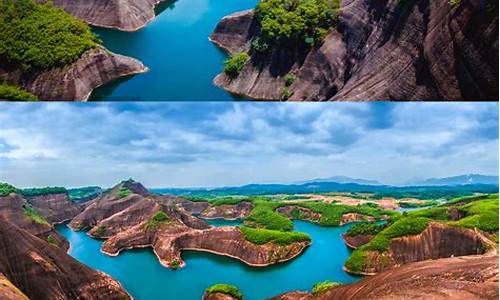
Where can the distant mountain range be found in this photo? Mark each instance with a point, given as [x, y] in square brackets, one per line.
[342, 179]
[461, 179]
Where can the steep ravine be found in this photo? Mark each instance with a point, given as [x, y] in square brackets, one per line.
[75, 81]
[381, 50]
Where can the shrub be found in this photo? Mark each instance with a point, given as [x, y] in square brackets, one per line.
[264, 236]
[123, 192]
[41, 35]
[6, 189]
[263, 215]
[100, 231]
[435, 213]
[234, 64]
[225, 289]
[290, 79]
[33, 192]
[51, 240]
[321, 287]
[34, 215]
[481, 214]
[10, 92]
[175, 264]
[365, 229]
[156, 220]
[289, 21]
[286, 93]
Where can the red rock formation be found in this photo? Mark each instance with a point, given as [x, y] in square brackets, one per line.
[382, 50]
[12, 208]
[76, 81]
[228, 212]
[359, 240]
[218, 296]
[56, 208]
[436, 241]
[305, 213]
[126, 15]
[8, 291]
[459, 278]
[43, 271]
[169, 241]
[355, 217]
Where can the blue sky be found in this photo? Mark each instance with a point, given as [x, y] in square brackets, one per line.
[214, 144]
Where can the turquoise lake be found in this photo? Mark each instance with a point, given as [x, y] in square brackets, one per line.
[176, 49]
[145, 279]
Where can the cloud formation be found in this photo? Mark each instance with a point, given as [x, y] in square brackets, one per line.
[214, 144]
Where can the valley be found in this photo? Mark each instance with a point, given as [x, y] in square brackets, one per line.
[262, 245]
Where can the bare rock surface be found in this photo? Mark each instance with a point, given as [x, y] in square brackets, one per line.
[458, 278]
[77, 80]
[43, 271]
[381, 50]
[126, 15]
[229, 212]
[56, 208]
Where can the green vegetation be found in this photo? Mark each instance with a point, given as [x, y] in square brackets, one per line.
[100, 231]
[321, 287]
[52, 240]
[286, 93]
[264, 236]
[331, 214]
[288, 22]
[10, 92]
[417, 204]
[263, 215]
[365, 229]
[34, 215]
[234, 64]
[6, 189]
[84, 193]
[33, 192]
[156, 220]
[479, 212]
[124, 192]
[225, 289]
[290, 79]
[41, 35]
[482, 214]
[175, 264]
[403, 227]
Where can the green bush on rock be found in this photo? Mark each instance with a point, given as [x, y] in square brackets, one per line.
[296, 21]
[41, 35]
[6, 189]
[225, 289]
[234, 64]
[321, 287]
[264, 236]
[10, 92]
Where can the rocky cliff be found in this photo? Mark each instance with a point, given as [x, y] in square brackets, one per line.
[126, 15]
[76, 81]
[436, 241]
[55, 208]
[17, 210]
[229, 212]
[381, 50]
[8, 291]
[359, 240]
[459, 278]
[43, 271]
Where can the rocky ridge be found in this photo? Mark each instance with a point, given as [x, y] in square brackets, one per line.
[75, 81]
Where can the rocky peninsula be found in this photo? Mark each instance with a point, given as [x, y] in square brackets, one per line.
[392, 50]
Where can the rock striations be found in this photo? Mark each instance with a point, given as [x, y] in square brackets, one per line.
[458, 278]
[33, 259]
[77, 80]
[149, 220]
[126, 15]
[381, 50]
